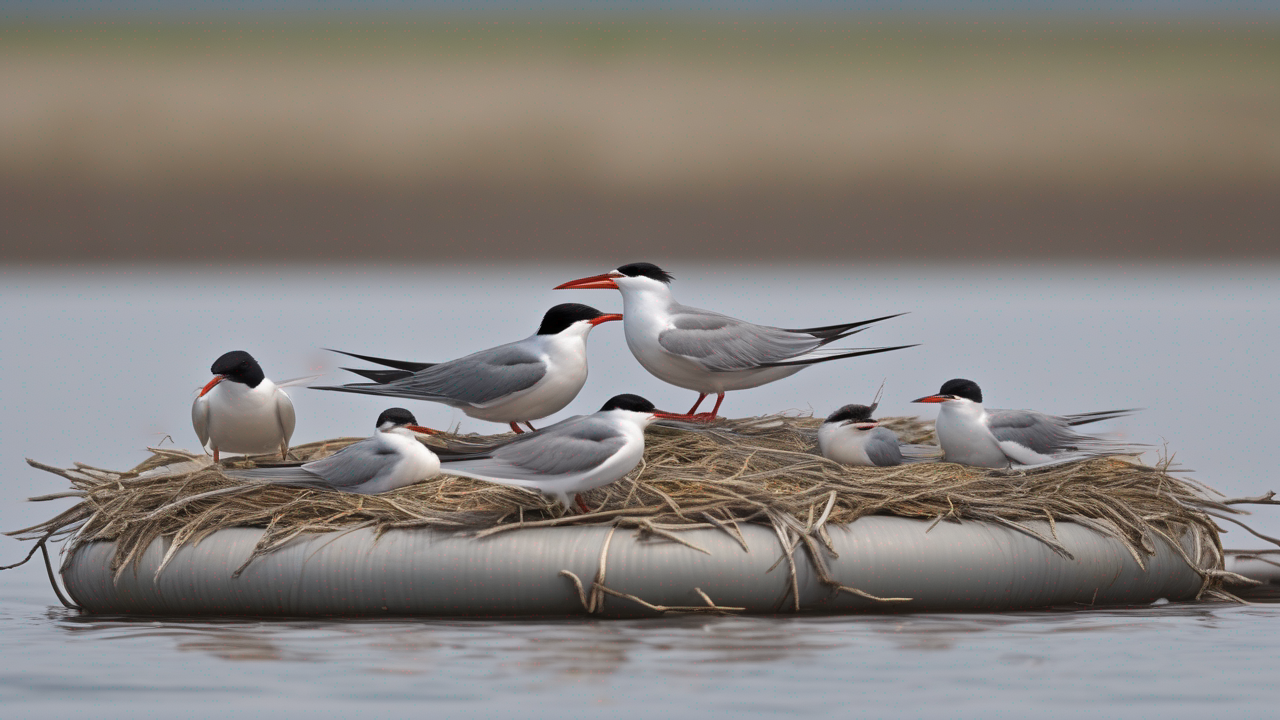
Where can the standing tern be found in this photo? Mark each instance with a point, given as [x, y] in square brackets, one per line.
[518, 382]
[571, 456]
[973, 435]
[391, 458]
[850, 436]
[241, 411]
[708, 352]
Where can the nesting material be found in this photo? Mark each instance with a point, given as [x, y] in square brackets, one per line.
[760, 470]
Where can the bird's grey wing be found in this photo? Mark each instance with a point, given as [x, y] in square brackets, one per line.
[284, 411]
[721, 343]
[1044, 434]
[882, 448]
[200, 419]
[567, 448]
[354, 465]
[346, 469]
[477, 379]
[1051, 435]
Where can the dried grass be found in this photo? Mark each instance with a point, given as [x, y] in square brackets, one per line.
[757, 470]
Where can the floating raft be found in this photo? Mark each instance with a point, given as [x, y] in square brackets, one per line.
[737, 517]
[560, 571]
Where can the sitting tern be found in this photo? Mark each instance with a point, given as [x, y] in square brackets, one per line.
[708, 352]
[241, 411]
[973, 435]
[571, 456]
[518, 382]
[850, 436]
[391, 458]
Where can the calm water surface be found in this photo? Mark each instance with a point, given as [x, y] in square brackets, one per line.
[96, 365]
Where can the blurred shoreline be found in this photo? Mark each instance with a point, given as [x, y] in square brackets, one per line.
[428, 224]
[432, 139]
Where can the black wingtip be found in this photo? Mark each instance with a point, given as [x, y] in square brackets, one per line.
[1100, 416]
[840, 356]
[831, 333]
[841, 327]
[380, 376]
[397, 364]
[359, 388]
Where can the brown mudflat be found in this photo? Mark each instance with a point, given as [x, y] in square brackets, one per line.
[52, 223]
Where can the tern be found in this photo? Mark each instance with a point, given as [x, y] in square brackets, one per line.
[241, 411]
[973, 435]
[571, 456]
[391, 458]
[850, 436]
[518, 382]
[708, 352]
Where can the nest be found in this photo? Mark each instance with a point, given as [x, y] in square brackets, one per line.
[754, 470]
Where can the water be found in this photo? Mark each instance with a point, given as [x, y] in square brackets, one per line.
[1174, 661]
[98, 364]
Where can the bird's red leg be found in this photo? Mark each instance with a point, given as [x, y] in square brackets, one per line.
[708, 417]
[531, 427]
[694, 409]
[215, 455]
[581, 504]
[516, 429]
[715, 411]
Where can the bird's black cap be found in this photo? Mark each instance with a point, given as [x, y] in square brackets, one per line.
[634, 403]
[855, 413]
[648, 270]
[396, 416]
[562, 316]
[238, 366]
[962, 388]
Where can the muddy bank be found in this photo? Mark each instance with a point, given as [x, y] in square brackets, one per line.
[53, 223]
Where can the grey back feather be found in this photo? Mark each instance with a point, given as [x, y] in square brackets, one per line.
[571, 446]
[350, 467]
[721, 343]
[1044, 434]
[882, 447]
[476, 379]
[355, 464]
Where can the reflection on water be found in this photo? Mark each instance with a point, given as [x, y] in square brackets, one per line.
[1155, 658]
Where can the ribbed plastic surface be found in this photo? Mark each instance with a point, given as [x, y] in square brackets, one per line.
[953, 567]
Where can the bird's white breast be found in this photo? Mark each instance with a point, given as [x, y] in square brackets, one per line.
[244, 419]
[415, 463]
[964, 437]
[844, 444]
[645, 315]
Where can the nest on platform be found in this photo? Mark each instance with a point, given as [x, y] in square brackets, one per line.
[754, 470]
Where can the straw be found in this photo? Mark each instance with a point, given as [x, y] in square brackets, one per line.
[755, 470]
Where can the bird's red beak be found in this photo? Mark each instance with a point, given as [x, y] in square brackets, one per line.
[866, 426]
[595, 282]
[423, 430]
[673, 416]
[216, 379]
[932, 399]
[604, 319]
